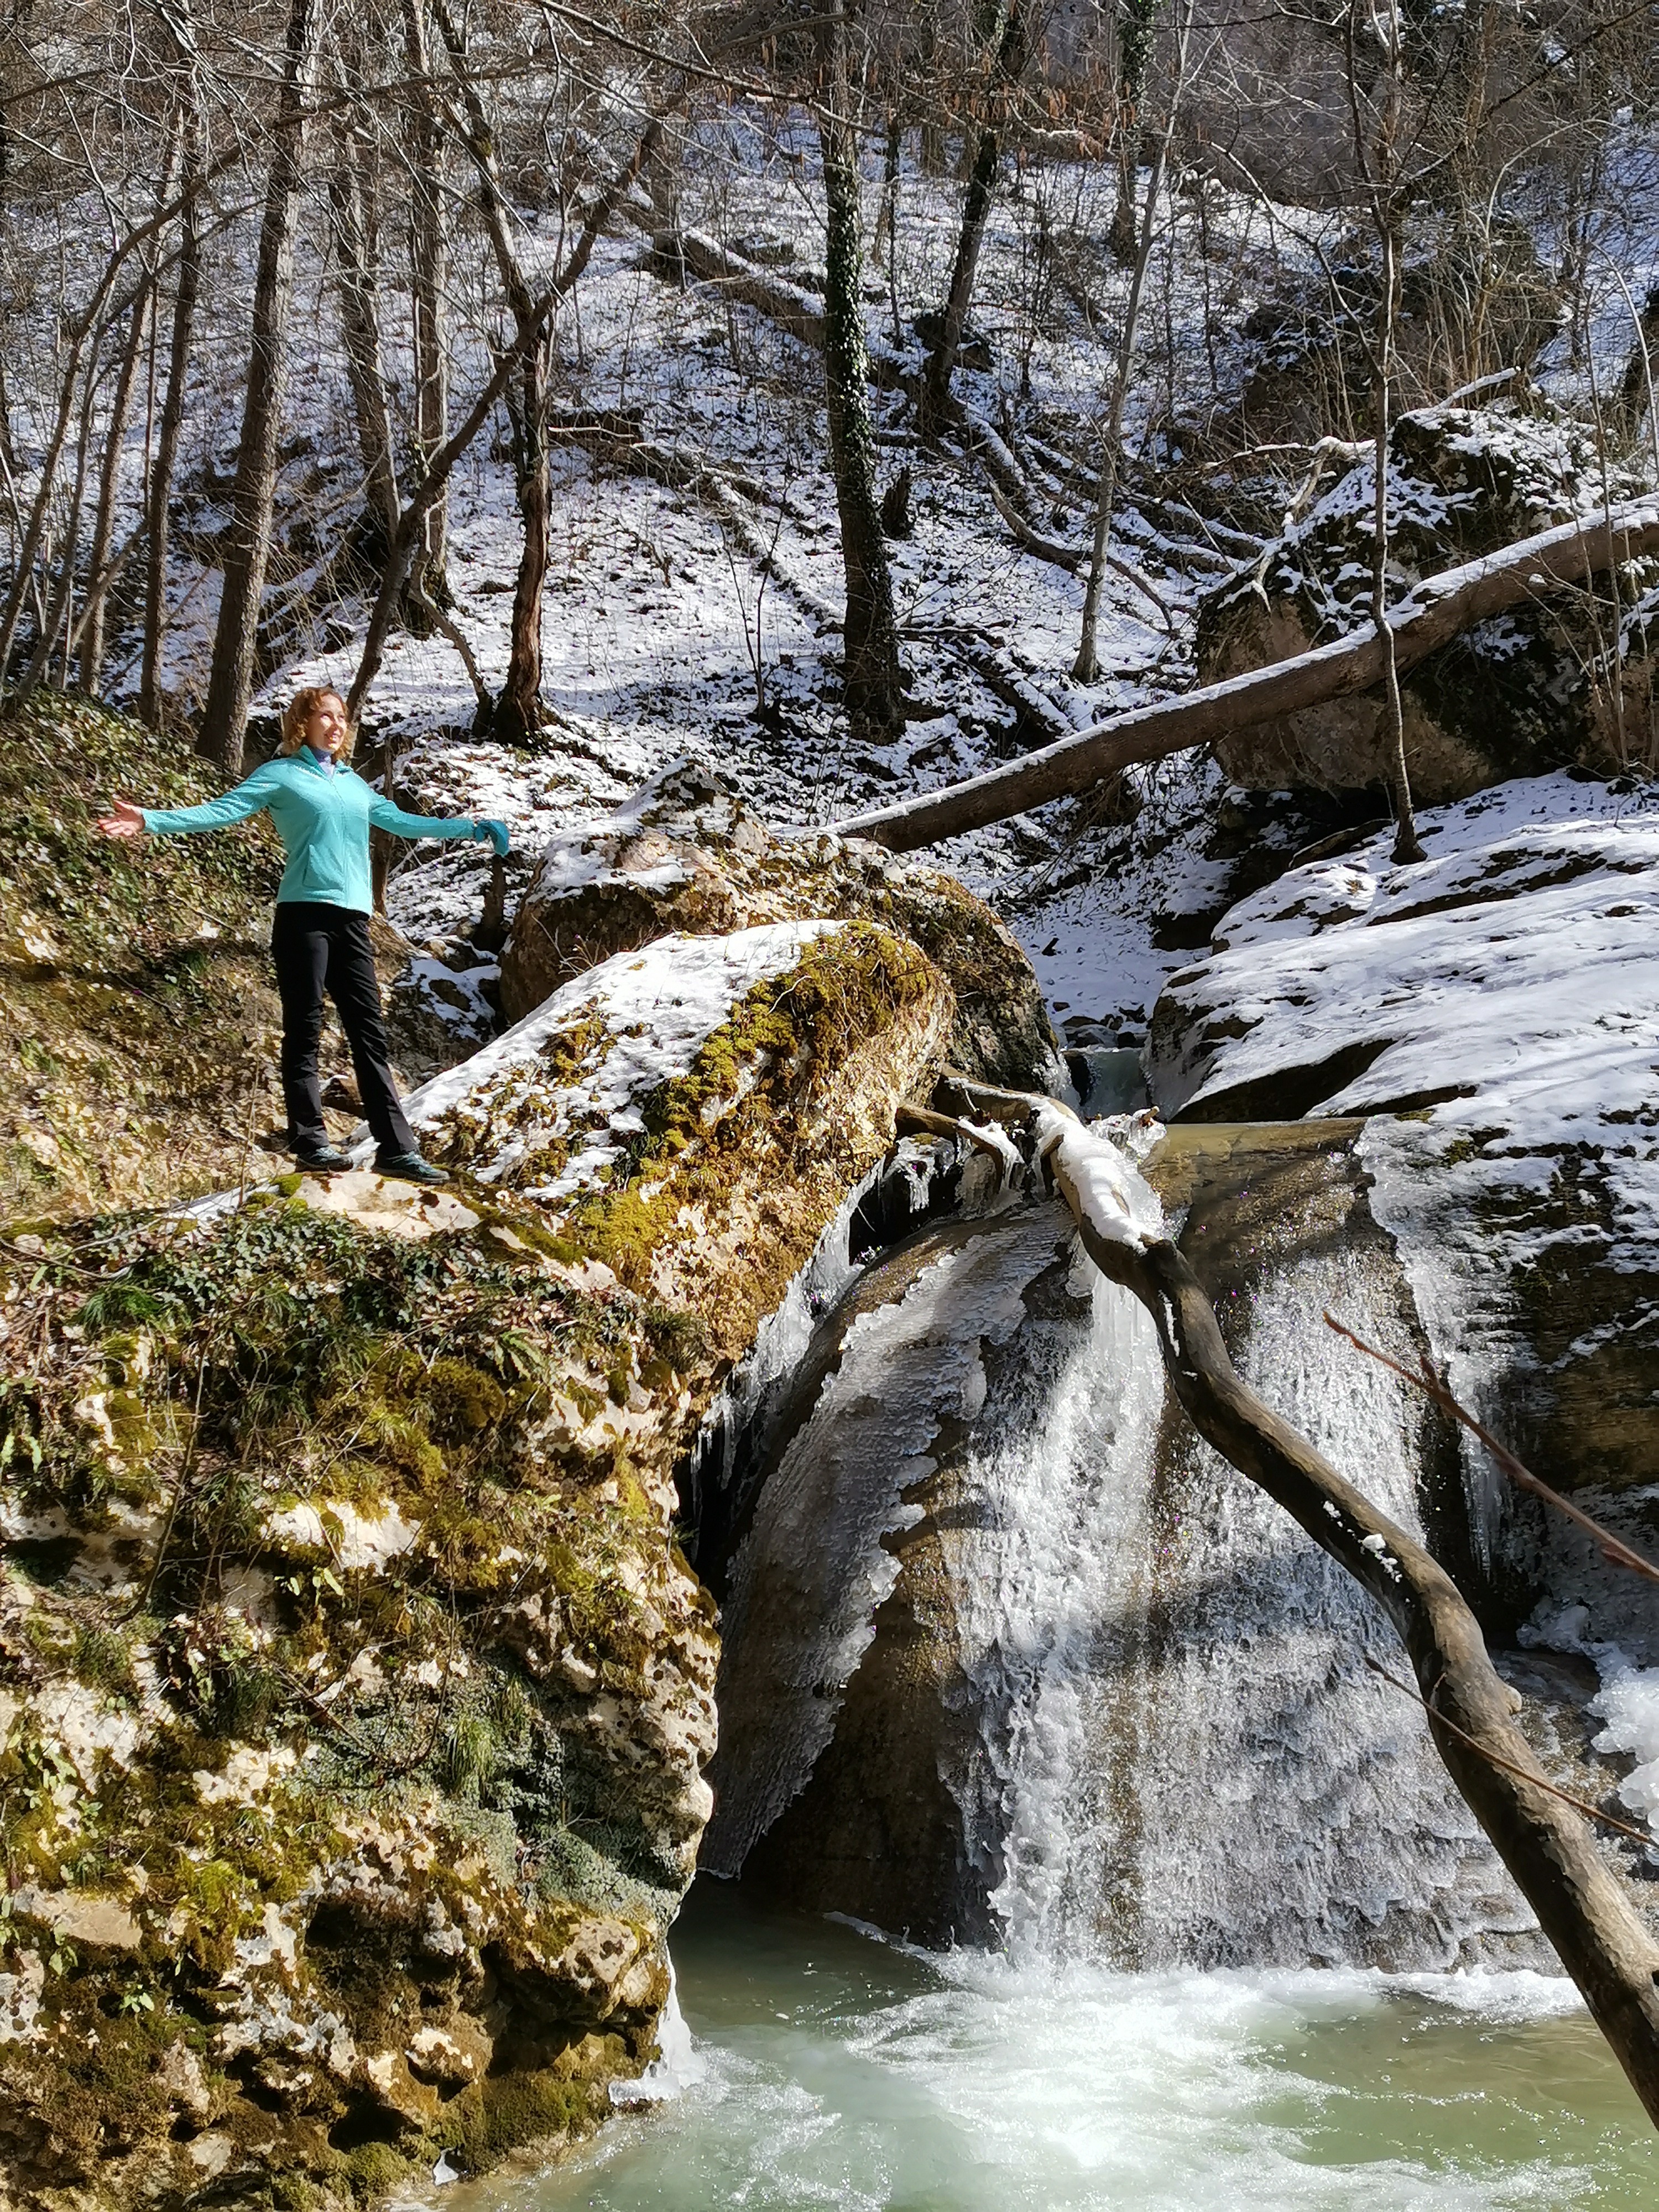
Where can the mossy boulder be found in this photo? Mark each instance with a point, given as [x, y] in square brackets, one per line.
[137, 980]
[355, 1695]
[686, 855]
[1523, 693]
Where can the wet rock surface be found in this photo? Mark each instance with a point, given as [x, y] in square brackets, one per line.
[1046, 1674]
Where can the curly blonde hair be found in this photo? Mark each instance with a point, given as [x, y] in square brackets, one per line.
[297, 714]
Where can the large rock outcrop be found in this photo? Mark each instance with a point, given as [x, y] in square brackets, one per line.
[685, 855]
[1525, 692]
[1492, 1008]
[354, 1693]
[1010, 1658]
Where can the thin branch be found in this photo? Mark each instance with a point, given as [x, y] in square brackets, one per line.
[1578, 1804]
[1617, 1552]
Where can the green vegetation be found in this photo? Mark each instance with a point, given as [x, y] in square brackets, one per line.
[139, 976]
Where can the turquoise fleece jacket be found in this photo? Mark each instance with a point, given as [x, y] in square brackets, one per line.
[323, 820]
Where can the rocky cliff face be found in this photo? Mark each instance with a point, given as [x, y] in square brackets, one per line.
[1490, 1007]
[1010, 1658]
[355, 1694]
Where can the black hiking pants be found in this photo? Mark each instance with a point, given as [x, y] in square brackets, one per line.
[317, 948]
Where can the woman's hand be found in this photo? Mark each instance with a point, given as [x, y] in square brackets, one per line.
[123, 820]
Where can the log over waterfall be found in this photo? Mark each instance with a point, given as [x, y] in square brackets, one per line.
[1545, 1843]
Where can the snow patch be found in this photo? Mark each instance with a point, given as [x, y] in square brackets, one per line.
[654, 1009]
[1098, 1182]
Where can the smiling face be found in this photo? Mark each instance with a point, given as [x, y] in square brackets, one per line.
[325, 725]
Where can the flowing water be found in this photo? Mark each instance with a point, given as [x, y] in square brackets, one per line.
[839, 2072]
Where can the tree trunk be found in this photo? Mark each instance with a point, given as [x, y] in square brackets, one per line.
[109, 485]
[100, 570]
[1406, 847]
[942, 361]
[247, 554]
[34, 529]
[872, 679]
[360, 331]
[430, 488]
[1380, 167]
[172, 418]
[1438, 609]
[1136, 23]
[427, 147]
[59, 599]
[1086, 669]
[999, 24]
[518, 713]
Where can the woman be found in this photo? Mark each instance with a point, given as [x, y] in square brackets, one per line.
[323, 814]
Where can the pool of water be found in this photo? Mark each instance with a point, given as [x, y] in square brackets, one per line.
[833, 2070]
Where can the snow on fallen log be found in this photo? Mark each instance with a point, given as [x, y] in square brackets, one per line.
[791, 306]
[1096, 1181]
[1437, 610]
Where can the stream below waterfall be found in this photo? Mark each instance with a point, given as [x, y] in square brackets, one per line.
[836, 2071]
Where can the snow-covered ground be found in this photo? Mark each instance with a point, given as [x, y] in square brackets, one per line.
[662, 636]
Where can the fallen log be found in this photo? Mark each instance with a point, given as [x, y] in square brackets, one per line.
[1430, 615]
[1002, 677]
[791, 306]
[1542, 1839]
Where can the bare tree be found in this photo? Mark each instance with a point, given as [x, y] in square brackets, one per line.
[1001, 30]
[518, 713]
[247, 548]
[873, 677]
[356, 281]
[1380, 159]
[1086, 669]
[100, 565]
[1136, 27]
[426, 152]
[171, 425]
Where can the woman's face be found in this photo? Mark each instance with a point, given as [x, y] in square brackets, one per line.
[325, 730]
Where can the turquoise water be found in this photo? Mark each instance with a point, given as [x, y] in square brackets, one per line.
[840, 2071]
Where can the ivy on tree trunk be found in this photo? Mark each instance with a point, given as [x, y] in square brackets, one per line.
[873, 677]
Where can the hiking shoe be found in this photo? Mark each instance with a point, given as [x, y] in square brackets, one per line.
[320, 1160]
[408, 1167]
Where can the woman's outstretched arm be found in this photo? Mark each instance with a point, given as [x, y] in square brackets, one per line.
[385, 814]
[124, 820]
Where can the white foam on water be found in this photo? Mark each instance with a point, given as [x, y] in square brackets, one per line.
[982, 2085]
